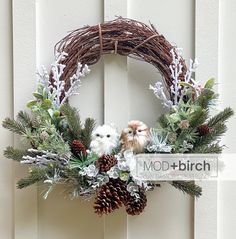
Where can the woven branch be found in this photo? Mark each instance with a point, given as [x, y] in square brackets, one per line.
[121, 36]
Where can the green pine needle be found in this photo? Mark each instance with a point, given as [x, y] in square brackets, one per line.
[223, 116]
[36, 176]
[13, 126]
[210, 138]
[86, 133]
[15, 154]
[163, 122]
[24, 118]
[73, 120]
[208, 149]
[188, 187]
[206, 98]
[198, 117]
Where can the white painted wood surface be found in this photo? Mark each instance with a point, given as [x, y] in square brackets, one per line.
[227, 89]
[6, 96]
[36, 29]
[24, 58]
[207, 53]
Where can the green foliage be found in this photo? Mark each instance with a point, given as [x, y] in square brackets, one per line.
[210, 138]
[206, 98]
[188, 187]
[75, 129]
[86, 132]
[36, 175]
[24, 118]
[14, 126]
[15, 154]
[170, 124]
[223, 116]
[198, 117]
[43, 100]
[195, 112]
[83, 161]
[210, 83]
[163, 121]
[214, 148]
[73, 120]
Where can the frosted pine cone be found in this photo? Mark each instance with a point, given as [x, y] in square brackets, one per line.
[184, 124]
[135, 206]
[78, 149]
[203, 129]
[111, 196]
[106, 162]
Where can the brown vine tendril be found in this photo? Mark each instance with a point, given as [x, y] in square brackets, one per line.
[121, 36]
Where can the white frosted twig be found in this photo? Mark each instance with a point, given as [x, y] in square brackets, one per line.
[75, 81]
[158, 90]
[192, 68]
[56, 89]
[57, 71]
[43, 158]
[176, 70]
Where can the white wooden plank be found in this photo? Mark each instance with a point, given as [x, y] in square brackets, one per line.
[24, 57]
[115, 108]
[6, 177]
[227, 89]
[207, 52]
[115, 74]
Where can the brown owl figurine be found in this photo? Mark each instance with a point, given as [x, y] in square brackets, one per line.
[135, 137]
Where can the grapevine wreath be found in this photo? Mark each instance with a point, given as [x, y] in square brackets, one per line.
[91, 160]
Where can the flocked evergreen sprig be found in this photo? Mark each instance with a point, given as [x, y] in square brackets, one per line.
[188, 187]
[189, 127]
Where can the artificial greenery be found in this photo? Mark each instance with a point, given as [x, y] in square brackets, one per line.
[59, 142]
[86, 132]
[188, 187]
[15, 154]
[181, 123]
[36, 175]
[73, 122]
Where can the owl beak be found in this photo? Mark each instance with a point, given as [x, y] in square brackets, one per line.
[135, 132]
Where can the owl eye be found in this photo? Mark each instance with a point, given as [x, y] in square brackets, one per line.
[139, 130]
[130, 131]
[97, 135]
[108, 136]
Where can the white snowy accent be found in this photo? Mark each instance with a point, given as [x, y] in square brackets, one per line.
[176, 70]
[75, 81]
[52, 181]
[42, 158]
[90, 171]
[176, 89]
[158, 90]
[56, 89]
[57, 71]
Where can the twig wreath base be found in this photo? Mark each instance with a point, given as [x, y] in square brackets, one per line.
[91, 160]
[121, 36]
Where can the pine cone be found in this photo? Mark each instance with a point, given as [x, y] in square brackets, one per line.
[78, 148]
[105, 162]
[111, 196]
[135, 206]
[203, 129]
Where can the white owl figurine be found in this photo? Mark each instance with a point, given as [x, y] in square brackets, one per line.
[105, 138]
